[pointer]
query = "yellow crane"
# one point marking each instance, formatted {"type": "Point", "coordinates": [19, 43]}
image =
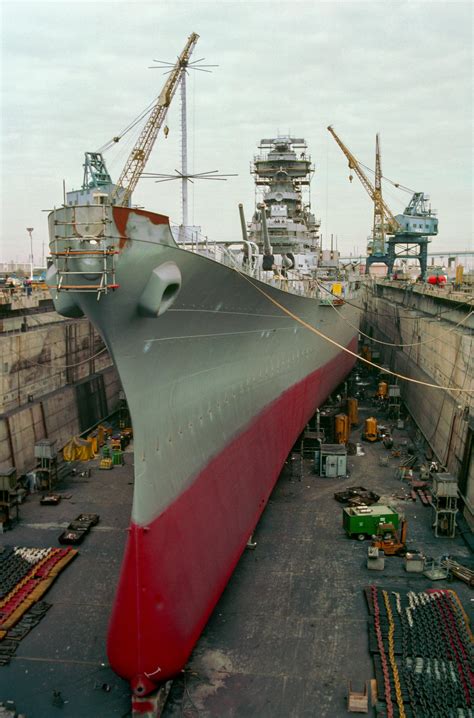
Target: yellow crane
{"type": "Point", "coordinates": [140, 153]}
{"type": "Point", "coordinates": [382, 213]}
{"type": "Point", "coordinates": [378, 234]}
{"type": "Point", "coordinates": [410, 230]}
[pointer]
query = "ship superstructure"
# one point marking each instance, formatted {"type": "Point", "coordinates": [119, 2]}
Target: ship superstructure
{"type": "Point", "coordinates": [283, 171]}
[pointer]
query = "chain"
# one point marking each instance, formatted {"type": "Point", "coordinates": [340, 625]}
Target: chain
{"type": "Point", "coordinates": [383, 658]}
{"type": "Point", "coordinates": [391, 653]}
{"type": "Point", "coordinates": [407, 661]}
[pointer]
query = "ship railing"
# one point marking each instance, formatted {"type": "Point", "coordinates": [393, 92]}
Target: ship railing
{"type": "Point", "coordinates": [223, 255]}
{"type": "Point", "coordinates": [293, 282]}
{"type": "Point", "coordinates": [303, 286]}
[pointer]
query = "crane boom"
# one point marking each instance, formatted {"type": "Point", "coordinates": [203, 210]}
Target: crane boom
{"type": "Point", "coordinates": [374, 194]}
{"type": "Point", "coordinates": [378, 232]}
{"type": "Point", "coordinates": [139, 155]}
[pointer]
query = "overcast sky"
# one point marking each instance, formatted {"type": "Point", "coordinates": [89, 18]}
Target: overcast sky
{"type": "Point", "coordinates": [74, 74]}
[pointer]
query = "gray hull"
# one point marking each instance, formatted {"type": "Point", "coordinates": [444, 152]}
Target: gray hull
{"type": "Point", "coordinates": [220, 380]}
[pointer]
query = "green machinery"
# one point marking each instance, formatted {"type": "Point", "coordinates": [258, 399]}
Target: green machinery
{"type": "Point", "coordinates": [363, 521]}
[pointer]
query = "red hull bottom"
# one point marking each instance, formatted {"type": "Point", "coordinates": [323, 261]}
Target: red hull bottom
{"type": "Point", "coordinates": [176, 568]}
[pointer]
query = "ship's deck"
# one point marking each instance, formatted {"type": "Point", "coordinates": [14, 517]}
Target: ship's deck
{"type": "Point", "coordinates": [288, 634]}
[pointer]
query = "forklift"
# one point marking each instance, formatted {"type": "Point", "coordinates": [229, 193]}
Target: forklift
{"type": "Point", "coordinates": [389, 540]}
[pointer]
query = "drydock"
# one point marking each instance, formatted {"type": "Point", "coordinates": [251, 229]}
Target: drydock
{"type": "Point", "coordinates": [236, 476]}
{"type": "Point", "coordinates": [57, 378]}
{"type": "Point", "coordinates": [312, 621]}
{"type": "Point", "coordinates": [291, 628]}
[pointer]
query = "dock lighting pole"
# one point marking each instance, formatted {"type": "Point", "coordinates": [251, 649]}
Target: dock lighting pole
{"type": "Point", "coordinates": [30, 232]}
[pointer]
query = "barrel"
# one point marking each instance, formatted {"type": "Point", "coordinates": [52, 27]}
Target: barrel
{"type": "Point", "coordinates": [382, 389]}
{"type": "Point", "coordinates": [371, 428]}
{"type": "Point", "coordinates": [341, 427]}
{"type": "Point", "coordinates": [117, 458]}
{"type": "Point", "coordinates": [353, 411]}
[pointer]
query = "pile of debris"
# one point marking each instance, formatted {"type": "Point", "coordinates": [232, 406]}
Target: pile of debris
{"type": "Point", "coordinates": [356, 496]}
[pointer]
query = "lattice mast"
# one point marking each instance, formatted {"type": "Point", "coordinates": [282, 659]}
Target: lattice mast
{"type": "Point", "coordinates": [184, 154]}
{"type": "Point", "coordinates": [140, 153]}
{"type": "Point", "coordinates": [379, 217]}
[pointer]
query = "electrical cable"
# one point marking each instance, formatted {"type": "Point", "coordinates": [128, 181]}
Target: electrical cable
{"type": "Point", "coordinates": [345, 349]}
{"type": "Point", "coordinates": [469, 300]}
{"type": "Point", "coordinates": [335, 343]}
{"type": "Point", "coordinates": [390, 344]}
{"type": "Point", "coordinates": [70, 366]}
{"type": "Point", "coordinates": [48, 365]}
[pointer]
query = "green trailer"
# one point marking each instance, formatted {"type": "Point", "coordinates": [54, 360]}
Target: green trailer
{"type": "Point", "coordinates": [363, 521]}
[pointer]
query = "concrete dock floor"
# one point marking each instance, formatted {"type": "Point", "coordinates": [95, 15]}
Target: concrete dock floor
{"type": "Point", "coordinates": [288, 634]}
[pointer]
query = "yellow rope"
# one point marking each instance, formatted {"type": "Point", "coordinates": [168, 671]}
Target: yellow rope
{"type": "Point", "coordinates": [345, 349]}
{"type": "Point", "coordinates": [391, 344]}
{"type": "Point", "coordinates": [466, 617]}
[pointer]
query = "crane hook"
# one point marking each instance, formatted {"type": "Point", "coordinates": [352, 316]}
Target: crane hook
{"type": "Point", "coordinates": [166, 130]}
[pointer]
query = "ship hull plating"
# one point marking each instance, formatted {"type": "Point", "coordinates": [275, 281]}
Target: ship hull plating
{"type": "Point", "coordinates": [183, 559]}
{"type": "Point", "coordinates": [220, 381]}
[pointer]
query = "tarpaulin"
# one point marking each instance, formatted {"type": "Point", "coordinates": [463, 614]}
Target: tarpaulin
{"type": "Point", "coordinates": [78, 450]}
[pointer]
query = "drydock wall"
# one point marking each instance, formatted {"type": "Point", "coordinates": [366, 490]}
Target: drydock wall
{"type": "Point", "coordinates": [56, 380]}
{"type": "Point", "coordinates": [435, 351]}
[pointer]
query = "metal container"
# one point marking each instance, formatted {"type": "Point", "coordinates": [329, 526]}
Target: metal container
{"type": "Point", "coordinates": [342, 428]}
{"type": "Point", "coordinates": [382, 389]}
{"type": "Point", "coordinates": [353, 411]}
{"type": "Point", "coordinates": [45, 449]}
{"type": "Point", "coordinates": [445, 485]}
{"type": "Point", "coordinates": [414, 563]}
{"type": "Point", "coordinates": [371, 428]}
{"type": "Point", "coordinates": [362, 521]}
{"type": "Point", "coordinates": [332, 460]}
{"type": "Point", "coordinates": [117, 457]}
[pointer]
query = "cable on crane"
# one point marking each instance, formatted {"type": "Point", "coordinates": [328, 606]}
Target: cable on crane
{"type": "Point", "coordinates": [398, 185]}
{"type": "Point", "coordinates": [105, 147]}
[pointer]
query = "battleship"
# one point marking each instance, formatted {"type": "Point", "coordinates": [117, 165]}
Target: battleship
{"type": "Point", "coordinates": [225, 351]}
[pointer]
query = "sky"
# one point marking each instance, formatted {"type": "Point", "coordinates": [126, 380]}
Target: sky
{"type": "Point", "coordinates": [74, 74]}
